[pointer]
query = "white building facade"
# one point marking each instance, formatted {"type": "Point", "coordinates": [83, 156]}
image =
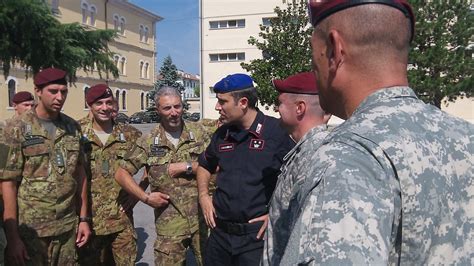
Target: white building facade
{"type": "Point", "coordinates": [225, 29]}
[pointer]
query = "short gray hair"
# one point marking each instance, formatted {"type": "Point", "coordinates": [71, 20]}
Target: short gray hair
{"type": "Point", "coordinates": [166, 91]}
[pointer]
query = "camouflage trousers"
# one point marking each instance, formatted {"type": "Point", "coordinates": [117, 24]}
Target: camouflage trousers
{"type": "Point", "coordinates": [50, 250]}
{"type": "Point", "coordinates": [118, 248]}
{"type": "Point", "coordinates": [171, 250]}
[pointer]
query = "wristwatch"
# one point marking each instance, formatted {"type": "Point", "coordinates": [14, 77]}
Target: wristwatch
{"type": "Point", "coordinates": [189, 168]}
{"type": "Point", "coordinates": [85, 219]}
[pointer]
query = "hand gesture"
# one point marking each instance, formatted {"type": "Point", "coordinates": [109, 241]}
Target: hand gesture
{"type": "Point", "coordinates": [263, 218]}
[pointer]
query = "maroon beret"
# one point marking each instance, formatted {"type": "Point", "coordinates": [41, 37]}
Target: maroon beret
{"type": "Point", "coordinates": [22, 96]}
{"type": "Point", "coordinates": [302, 83]}
{"type": "Point", "coordinates": [321, 9]}
{"type": "Point", "coordinates": [97, 92]}
{"type": "Point", "coordinates": [50, 76]}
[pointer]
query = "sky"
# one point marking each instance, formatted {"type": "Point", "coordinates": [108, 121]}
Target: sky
{"type": "Point", "coordinates": [177, 34]}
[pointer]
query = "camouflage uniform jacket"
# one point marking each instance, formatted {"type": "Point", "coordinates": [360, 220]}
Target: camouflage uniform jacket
{"type": "Point", "coordinates": [48, 190]}
{"type": "Point", "coordinates": [391, 185]}
{"type": "Point", "coordinates": [292, 172]}
{"type": "Point", "coordinates": [156, 152]}
{"type": "Point", "coordinates": [102, 163]}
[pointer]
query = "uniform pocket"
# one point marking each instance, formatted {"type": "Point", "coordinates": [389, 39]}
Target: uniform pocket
{"type": "Point", "coordinates": [36, 160]}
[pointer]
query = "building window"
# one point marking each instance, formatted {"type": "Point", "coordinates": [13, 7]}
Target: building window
{"type": "Point", "coordinates": [146, 34]}
{"type": "Point", "coordinates": [227, 24]}
{"type": "Point", "coordinates": [55, 6]}
{"type": "Point", "coordinates": [123, 64]}
{"type": "Point", "coordinates": [86, 89]}
{"type": "Point", "coordinates": [117, 96]}
{"type": "Point", "coordinates": [93, 11]}
{"type": "Point", "coordinates": [122, 26]}
{"type": "Point", "coordinates": [124, 100]}
{"type": "Point", "coordinates": [11, 91]}
{"type": "Point", "coordinates": [116, 62]}
{"type": "Point", "coordinates": [141, 69]}
{"type": "Point", "coordinates": [147, 100]}
{"type": "Point", "coordinates": [85, 11]}
{"type": "Point", "coordinates": [146, 70]}
{"type": "Point", "coordinates": [267, 22]}
{"type": "Point", "coordinates": [116, 22]}
{"type": "Point", "coordinates": [227, 57]}
{"type": "Point", "coordinates": [141, 31]}
{"type": "Point", "coordinates": [142, 101]}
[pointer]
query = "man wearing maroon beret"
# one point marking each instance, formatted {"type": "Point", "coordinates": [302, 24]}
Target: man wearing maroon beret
{"type": "Point", "coordinates": [306, 122]}
{"type": "Point", "coordinates": [22, 102]}
{"type": "Point", "coordinates": [106, 143]}
{"type": "Point", "coordinates": [393, 184]}
{"type": "Point", "coordinates": [44, 179]}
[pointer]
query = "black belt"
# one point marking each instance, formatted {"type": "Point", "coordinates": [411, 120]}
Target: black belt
{"type": "Point", "coordinates": [238, 228]}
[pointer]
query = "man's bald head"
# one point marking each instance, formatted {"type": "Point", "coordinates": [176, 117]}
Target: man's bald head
{"type": "Point", "coordinates": [373, 32]}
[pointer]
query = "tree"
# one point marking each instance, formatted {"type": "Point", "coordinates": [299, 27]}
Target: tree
{"type": "Point", "coordinates": [285, 46]}
{"type": "Point", "coordinates": [441, 61]}
{"type": "Point", "coordinates": [197, 91]}
{"type": "Point", "coordinates": [33, 38]}
{"type": "Point", "coordinates": [169, 77]}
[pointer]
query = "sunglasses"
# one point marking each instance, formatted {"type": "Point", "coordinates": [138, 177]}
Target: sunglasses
{"type": "Point", "coordinates": [318, 10]}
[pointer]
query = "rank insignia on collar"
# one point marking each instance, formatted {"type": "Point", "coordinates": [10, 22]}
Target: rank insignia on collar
{"type": "Point", "coordinates": [191, 136]}
{"type": "Point", "coordinates": [259, 128]}
{"type": "Point", "coordinates": [257, 144]}
{"type": "Point", "coordinates": [226, 147]}
{"type": "Point", "coordinates": [156, 141]}
{"type": "Point", "coordinates": [28, 129]}
{"type": "Point", "coordinates": [122, 137]}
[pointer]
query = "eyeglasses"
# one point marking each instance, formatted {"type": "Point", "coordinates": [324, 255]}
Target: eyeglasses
{"type": "Point", "coordinates": [318, 10]}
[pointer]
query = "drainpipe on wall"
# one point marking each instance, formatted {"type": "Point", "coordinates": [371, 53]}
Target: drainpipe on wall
{"type": "Point", "coordinates": [107, 45]}
{"type": "Point", "coordinates": [201, 81]}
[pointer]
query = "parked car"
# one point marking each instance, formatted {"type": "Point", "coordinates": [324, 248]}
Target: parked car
{"type": "Point", "coordinates": [191, 117]}
{"type": "Point", "coordinates": [122, 118]}
{"type": "Point", "coordinates": [151, 117]}
{"type": "Point", "coordinates": [145, 117]}
{"type": "Point", "coordinates": [137, 118]}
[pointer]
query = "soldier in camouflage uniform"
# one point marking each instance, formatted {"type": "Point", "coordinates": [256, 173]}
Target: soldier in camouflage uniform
{"type": "Point", "coordinates": [169, 153]}
{"type": "Point", "coordinates": [45, 154]}
{"type": "Point", "coordinates": [305, 121]}
{"type": "Point", "coordinates": [106, 143]}
{"type": "Point", "coordinates": [22, 102]}
{"type": "Point", "coordinates": [394, 183]}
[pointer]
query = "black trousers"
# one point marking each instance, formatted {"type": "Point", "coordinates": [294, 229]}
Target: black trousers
{"type": "Point", "coordinates": [227, 249]}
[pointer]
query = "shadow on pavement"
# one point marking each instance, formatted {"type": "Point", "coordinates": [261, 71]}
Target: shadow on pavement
{"type": "Point", "coordinates": [141, 245]}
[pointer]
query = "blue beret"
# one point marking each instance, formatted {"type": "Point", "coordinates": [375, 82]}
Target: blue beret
{"type": "Point", "coordinates": [234, 82]}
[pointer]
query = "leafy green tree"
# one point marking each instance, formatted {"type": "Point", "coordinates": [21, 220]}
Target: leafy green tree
{"type": "Point", "coordinates": [285, 46]}
{"type": "Point", "coordinates": [441, 61]}
{"type": "Point", "coordinates": [197, 91]}
{"type": "Point", "coordinates": [33, 38]}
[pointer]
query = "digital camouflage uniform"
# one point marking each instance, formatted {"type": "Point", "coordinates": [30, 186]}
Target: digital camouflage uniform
{"type": "Point", "coordinates": [293, 171]}
{"type": "Point", "coordinates": [180, 224]}
{"type": "Point", "coordinates": [47, 196]}
{"type": "Point", "coordinates": [391, 185]}
{"type": "Point", "coordinates": [113, 230]}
